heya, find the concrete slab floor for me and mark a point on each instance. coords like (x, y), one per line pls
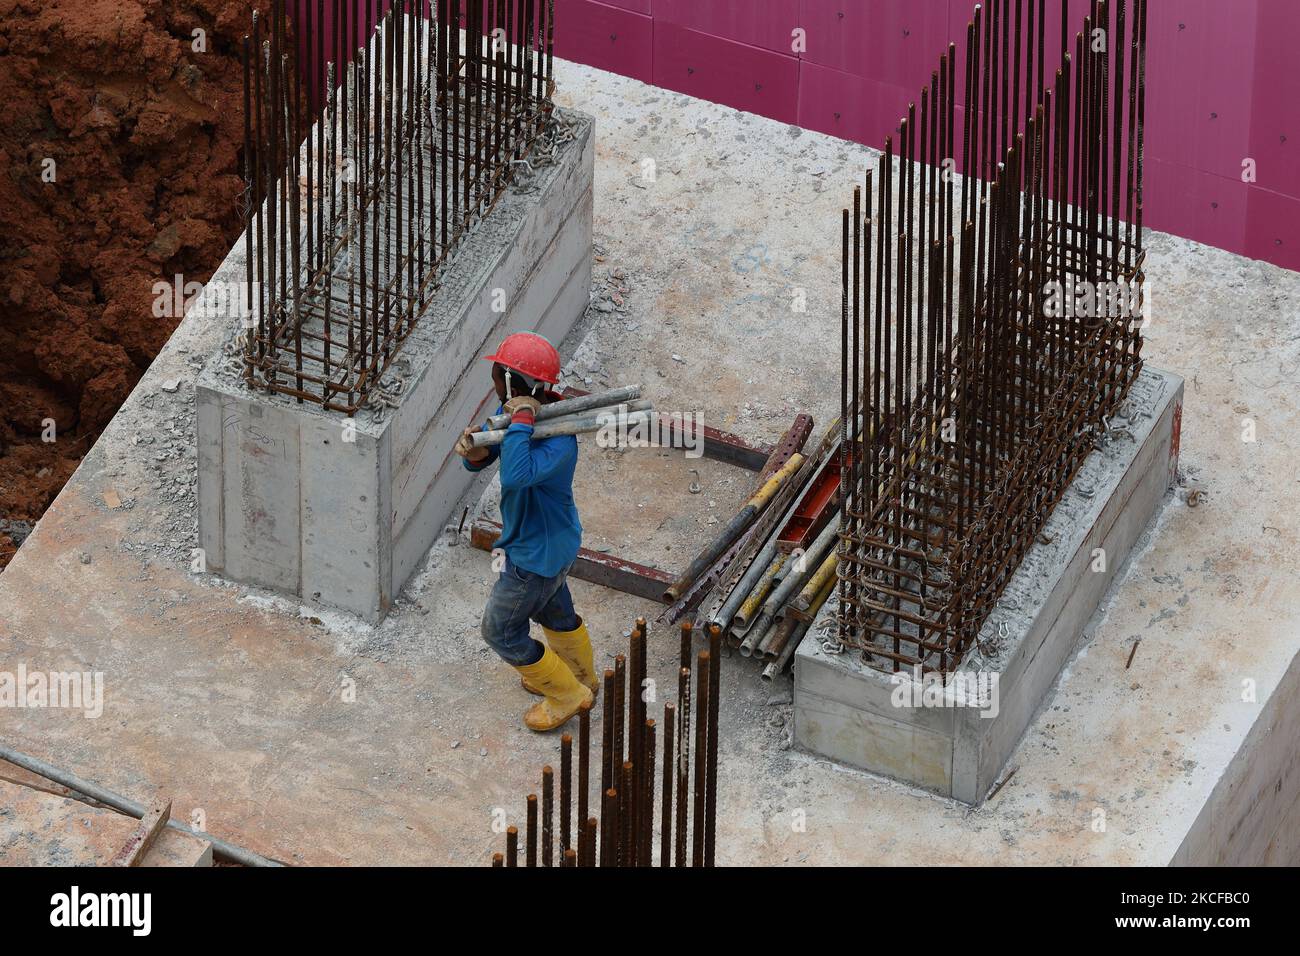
(39, 828)
(232, 701)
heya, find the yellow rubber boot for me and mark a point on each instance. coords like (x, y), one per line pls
(562, 694)
(574, 648)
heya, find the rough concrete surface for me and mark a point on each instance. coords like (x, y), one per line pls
(39, 828)
(233, 701)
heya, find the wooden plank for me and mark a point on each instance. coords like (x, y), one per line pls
(134, 850)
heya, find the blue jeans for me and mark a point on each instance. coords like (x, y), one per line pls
(518, 597)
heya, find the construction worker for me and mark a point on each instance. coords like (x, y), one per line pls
(540, 535)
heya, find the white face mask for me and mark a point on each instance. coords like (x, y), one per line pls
(506, 374)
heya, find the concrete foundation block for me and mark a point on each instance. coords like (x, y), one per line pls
(1253, 815)
(340, 511)
(957, 745)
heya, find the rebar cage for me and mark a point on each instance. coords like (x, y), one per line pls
(359, 189)
(991, 328)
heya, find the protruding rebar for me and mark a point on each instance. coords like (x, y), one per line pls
(683, 762)
(609, 828)
(624, 835)
(701, 745)
(591, 827)
(635, 726)
(646, 799)
(530, 841)
(626, 814)
(620, 716)
(584, 759)
(711, 757)
(972, 388)
(548, 816)
(354, 254)
(566, 796)
(607, 734)
(666, 820)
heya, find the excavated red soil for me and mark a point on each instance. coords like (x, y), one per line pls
(145, 133)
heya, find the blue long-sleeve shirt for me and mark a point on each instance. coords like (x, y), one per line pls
(540, 531)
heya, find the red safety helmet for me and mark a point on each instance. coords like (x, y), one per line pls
(529, 354)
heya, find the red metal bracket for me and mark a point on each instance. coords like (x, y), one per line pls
(650, 583)
(594, 566)
(814, 508)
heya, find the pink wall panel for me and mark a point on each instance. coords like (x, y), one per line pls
(746, 77)
(1189, 202)
(1275, 128)
(1204, 120)
(607, 37)
(1171, 113)
(1273, 228)
(894, 41)
(764, 23)
(1223, 85)
(636, 6)
(851, 107)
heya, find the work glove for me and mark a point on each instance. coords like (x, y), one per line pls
(466, 449)
(523, 409)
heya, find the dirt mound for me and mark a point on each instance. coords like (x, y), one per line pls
(118, 170)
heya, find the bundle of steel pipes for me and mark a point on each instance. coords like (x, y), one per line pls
(357, 193)
(623, 834)
(766, 575)
(991, 328)
(619, 408)
(764, 578)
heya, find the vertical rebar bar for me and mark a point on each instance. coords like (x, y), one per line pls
(646, 800)
(701, 745)
(683, 761)
(530, 842)
(620, 696)
(607, 734)
(666, 817)
(566, 798)
(584, 757)
(627, 803)
(711, 758)
(548, 816)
